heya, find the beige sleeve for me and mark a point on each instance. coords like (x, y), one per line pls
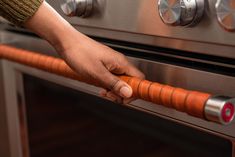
(18, 11)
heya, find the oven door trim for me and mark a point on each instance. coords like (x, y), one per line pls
(12, 87)
(12, 80)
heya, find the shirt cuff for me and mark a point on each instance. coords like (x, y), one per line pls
(19, 11)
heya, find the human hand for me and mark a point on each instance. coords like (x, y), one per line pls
(98, 64)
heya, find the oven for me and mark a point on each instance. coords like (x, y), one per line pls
(43, 114)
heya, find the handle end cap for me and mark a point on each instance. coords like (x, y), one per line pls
(220, 109)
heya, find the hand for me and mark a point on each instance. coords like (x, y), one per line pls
(94, 62)
(98, 64)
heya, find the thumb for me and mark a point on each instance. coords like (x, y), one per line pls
(123, 89)
(116, 85)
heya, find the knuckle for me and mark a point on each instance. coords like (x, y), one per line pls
(114, 65)
(114, 85)
(122, 57)
(108, 80)
(142, 76)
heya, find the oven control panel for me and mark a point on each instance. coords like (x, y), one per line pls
(181, 12)
(190, 12)
(201, 26)
(171, 12)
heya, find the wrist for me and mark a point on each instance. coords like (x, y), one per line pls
(63, 38)
(48, 24)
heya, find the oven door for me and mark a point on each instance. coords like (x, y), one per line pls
(43, 114)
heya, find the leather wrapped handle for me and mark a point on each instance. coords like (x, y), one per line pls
(191, 102)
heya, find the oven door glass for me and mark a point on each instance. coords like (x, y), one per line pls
(62, 122)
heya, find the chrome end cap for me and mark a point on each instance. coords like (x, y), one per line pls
(220, 109)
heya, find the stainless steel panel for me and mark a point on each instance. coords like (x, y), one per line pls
(12, 140)
(4, 145)
(138, 21)
(155, 71)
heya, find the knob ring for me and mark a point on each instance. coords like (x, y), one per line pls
(89, 8)
(219, 6)
(200, 8)
(173, 22)
(181, 12)
(81, 8)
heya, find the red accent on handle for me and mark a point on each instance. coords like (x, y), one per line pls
(228, 107)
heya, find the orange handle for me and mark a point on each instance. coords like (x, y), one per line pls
(191, 102)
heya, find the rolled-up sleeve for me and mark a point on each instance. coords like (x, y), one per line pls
(19, 11)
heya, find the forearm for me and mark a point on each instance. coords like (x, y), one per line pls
(48, 24)
(93, 61)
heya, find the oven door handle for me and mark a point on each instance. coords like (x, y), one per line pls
(219, 109)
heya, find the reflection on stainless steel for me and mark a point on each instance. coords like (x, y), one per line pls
(139, 22)
(160, 72)
(181, 12)
(170, 11)
(10, 128)
(4, 143)
(191, 102)
(93, 110)
(81, 8)
(225, 11)
(220, 109)
(155, 71)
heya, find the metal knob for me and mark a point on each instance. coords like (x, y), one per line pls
(181, 12)
(82, 8)
(225, 10)
(220, 109)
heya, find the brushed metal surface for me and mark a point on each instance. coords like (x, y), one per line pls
(82, 8)
(181, 12)
(225, 10)
(4, 143)
(140, 19)
(157, 110)
(214, 109)
(12, 140)
(170, 11)
(164, 73)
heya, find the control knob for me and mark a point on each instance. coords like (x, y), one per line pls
(82, 8)
(181, 12)
(225, 11)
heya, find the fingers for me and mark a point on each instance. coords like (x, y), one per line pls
(113, 83)
(118, 86)
(103, 92)
(115, 98)
(120, 65)
(111, 96)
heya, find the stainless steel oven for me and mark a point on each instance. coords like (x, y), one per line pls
(43, 114)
